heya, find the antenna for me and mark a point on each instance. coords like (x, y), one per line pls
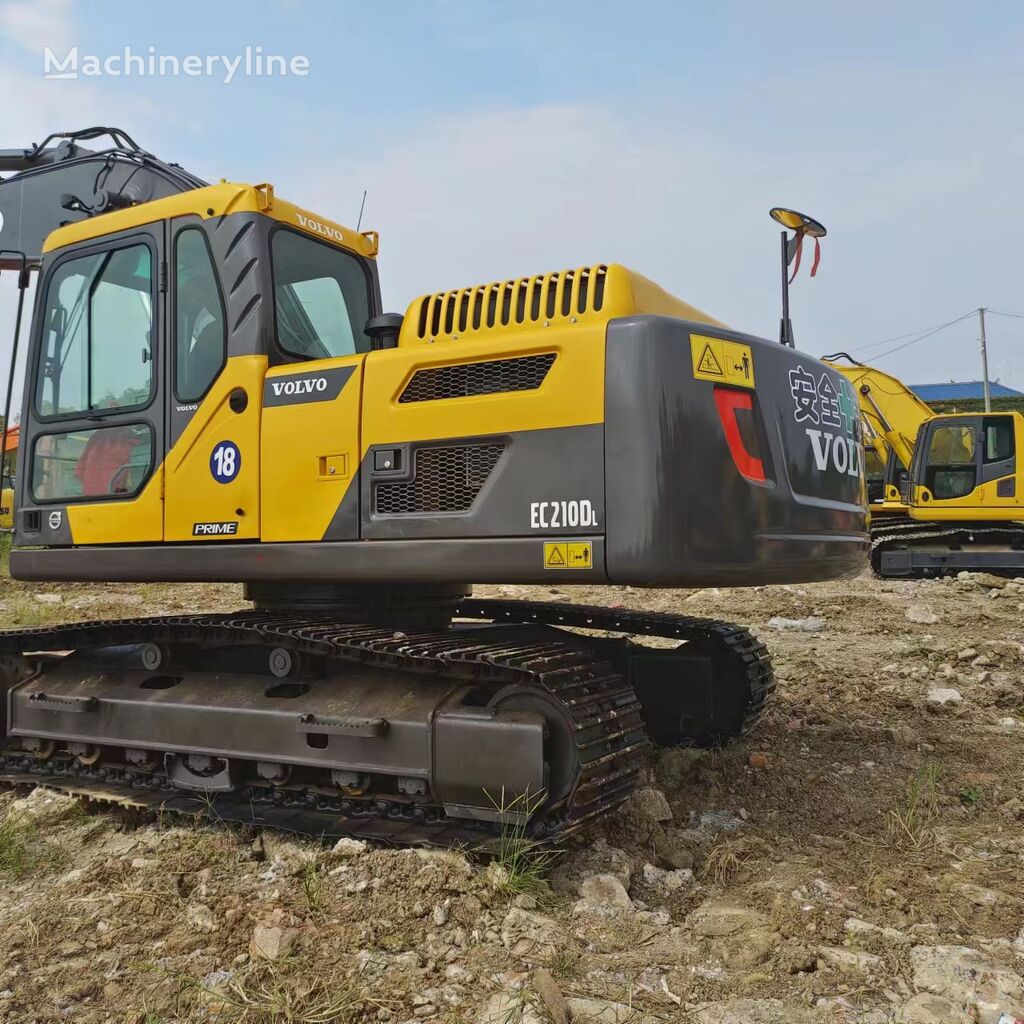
(362, 206)
(802, 226)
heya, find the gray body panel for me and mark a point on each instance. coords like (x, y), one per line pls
(679, 512)
(560, 464)
(486, 560)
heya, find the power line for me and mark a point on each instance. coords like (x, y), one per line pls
(1005, 312)
(922, 337)
(924, 331)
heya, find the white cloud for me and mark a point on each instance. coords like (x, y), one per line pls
(33, 24)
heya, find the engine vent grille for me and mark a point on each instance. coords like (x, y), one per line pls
(444, 479)
(525, 300)
(525, 373)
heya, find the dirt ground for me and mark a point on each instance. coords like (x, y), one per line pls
(858, 858)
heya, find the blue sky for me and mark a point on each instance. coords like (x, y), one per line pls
(501, 139)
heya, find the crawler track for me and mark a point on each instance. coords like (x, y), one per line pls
(606, 719)
(910, 533)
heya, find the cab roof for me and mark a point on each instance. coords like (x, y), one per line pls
(214, 201)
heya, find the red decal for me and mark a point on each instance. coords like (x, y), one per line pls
(728, 401)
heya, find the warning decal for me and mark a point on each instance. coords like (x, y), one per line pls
(569, 555)
(554, 556)
(727, 362)
(709, 364)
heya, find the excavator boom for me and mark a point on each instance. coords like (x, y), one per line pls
(892, 411)
(60, 181)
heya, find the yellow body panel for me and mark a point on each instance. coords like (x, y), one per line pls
(310, 455)
(193, 495)
(567, 298)
(982, 504)
(7, 509)
(138, 520)
(572, 393)
(214, 201)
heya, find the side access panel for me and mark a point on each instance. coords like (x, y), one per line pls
(310, 450)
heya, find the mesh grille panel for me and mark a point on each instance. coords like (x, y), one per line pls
(525, 373)
(444, 480)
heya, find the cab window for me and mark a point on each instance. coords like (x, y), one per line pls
(874, 474)
(109, 461)
(199, 337)
(321, 298)
(951, 471)
(96, 351)
(998, 439)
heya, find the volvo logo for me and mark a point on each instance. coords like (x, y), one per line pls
(304, 386)
(55, 520)
(320, 228)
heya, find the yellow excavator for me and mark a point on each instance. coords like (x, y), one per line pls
(947, 498)
(8, 455)
(214, 393)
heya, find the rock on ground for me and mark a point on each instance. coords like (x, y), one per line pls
(969, 977)
(531, 936)
(741, 938)
(650, 805)
(274, 938)
(604, 894)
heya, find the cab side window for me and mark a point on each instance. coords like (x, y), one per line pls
(321, 298)
(998, 438)
(97, 351)
(200, 338)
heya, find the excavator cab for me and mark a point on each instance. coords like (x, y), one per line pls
(965, 461)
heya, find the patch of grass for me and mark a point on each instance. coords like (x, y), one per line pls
(313, 887)
(722, 864)
(23, 850)
(565, 962)
(912, 826)
(269, 994)
(970, 795)
(521, 859)
(16, 836)
(727, 856)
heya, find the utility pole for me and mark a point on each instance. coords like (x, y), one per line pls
(984, 360)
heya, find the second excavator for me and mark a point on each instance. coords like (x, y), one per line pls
(213, 393)
(949, 487)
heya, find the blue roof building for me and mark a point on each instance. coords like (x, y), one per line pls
(956, 391)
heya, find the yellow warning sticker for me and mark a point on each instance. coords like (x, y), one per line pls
(727, 362)
(577, 554)
(555, 556)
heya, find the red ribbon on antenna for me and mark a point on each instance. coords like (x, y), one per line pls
(799, 250)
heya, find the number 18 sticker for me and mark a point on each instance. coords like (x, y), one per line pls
(225, 462)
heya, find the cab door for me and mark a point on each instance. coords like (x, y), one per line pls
(93, 423)
(212, 460)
